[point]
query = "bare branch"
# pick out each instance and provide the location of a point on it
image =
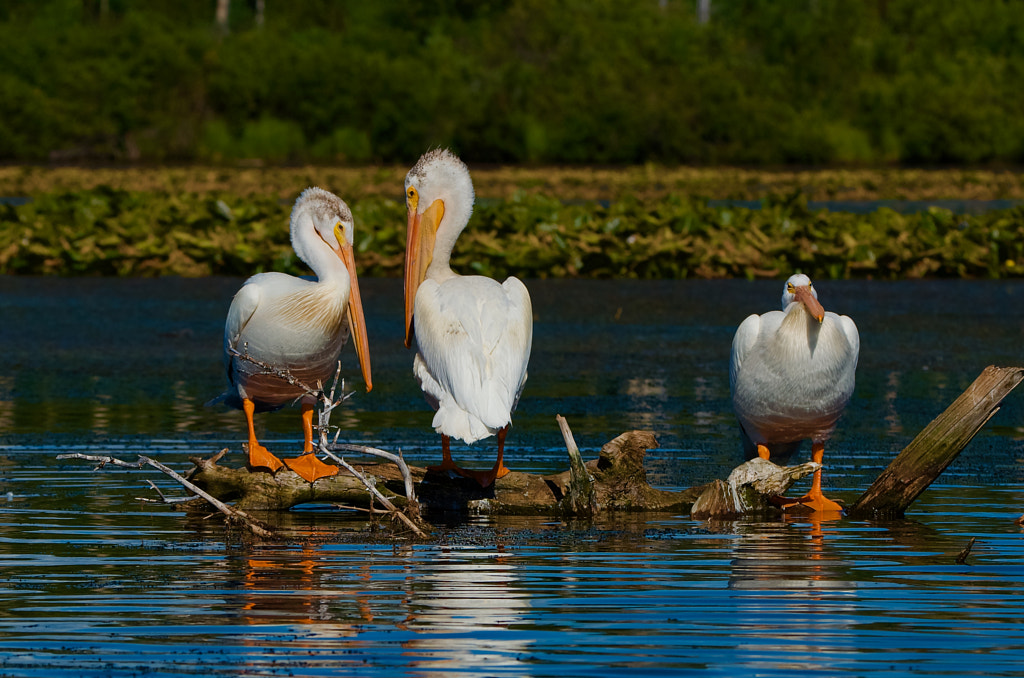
(375, 492)
(327, 404)
(276, 371)
(164, 499)
(396, 459)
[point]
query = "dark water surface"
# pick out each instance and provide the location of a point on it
(94, 582)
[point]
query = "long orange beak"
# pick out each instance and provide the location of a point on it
(813, 306)
(419, 252)
(356, 321)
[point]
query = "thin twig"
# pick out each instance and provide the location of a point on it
(249, 521)
(375, 492)
(371, 509)
(164, 499)
(270, 369)
(396, 459)
(329, 403)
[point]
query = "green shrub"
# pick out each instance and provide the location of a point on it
(573, 81)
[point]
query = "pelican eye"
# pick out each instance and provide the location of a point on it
(339, 232)
(412, 197)
(790, 288)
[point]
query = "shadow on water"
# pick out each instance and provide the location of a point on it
(95, 582)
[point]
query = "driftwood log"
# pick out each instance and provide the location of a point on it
(615, 481)
(928, 455)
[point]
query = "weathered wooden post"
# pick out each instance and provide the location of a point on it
(927, 455)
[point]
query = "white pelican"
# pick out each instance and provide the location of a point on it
(296, 325)
(792, 374)
(473, 335)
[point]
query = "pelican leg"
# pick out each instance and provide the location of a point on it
(499, 470)
(308, 466)
(259, 456)
(484, 478)
(815, 499)
(307, 426)
(446, 458)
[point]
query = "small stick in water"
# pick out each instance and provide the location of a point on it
(962, 558)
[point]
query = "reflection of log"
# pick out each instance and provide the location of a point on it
(921, 462)
(618, 482)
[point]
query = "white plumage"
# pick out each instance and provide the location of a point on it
(296, 325)
(473, 335)
(792, 372)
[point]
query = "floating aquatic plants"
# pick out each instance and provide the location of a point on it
(105, 231)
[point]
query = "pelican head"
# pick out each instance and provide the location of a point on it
(333, 226)
(439, 201)
(331, 219)
(799, 290)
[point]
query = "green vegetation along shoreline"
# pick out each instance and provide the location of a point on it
(630, 223)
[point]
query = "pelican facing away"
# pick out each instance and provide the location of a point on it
(473, 335)
(792, 374)
(297, 325)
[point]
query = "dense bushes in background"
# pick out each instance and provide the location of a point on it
(547, 81)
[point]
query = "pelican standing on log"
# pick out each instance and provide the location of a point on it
(473, 335)
(296, 327)
(792, 375)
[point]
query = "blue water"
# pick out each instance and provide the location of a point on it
(96, 582)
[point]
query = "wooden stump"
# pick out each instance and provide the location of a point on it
(748, 490)
(921, 462)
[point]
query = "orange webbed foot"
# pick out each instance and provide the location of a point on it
(820, 503)
(483, 478)
(811, 501)
(310, 468)
(260, 458)
(784, 503)
(446, 466)
(487, 478)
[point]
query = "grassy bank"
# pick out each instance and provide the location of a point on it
(644, 182)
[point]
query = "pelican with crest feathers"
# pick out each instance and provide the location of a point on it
(792, 375)
(280, 325)
(472, 334)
